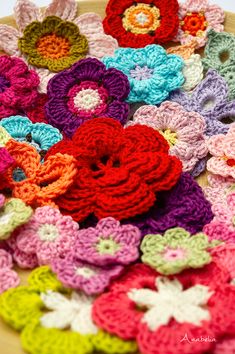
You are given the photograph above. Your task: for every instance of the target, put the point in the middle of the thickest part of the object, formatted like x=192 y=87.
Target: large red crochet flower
x=169 y=315
x=137 y=23
x=119 y=170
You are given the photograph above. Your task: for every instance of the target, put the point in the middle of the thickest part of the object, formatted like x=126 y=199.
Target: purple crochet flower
x=85 y=91
x=80 y=275
x=211 y=99
x=184 y=206
x=108 y=243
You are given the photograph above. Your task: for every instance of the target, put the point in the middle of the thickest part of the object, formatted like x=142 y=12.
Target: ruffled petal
x=67 y=10
x=25 y=13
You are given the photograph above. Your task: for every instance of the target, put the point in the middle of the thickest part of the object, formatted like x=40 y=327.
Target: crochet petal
x=67 y=10
x=215 y=16
x=25 y=13
x=101 y=45
x=9 y=39
x=89 y=23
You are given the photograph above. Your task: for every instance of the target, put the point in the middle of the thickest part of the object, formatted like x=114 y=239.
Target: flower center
x=87 y=99
x=231 y=162
x=18 y=174
x=107 y=246
x=141 y=18
x=170 y=136
x=141 y=73
x=171 y=254
x=4 y=83
x=86 y=272
x=194 y=23
x=52 y=46
x=48 y=232
x=5 y=218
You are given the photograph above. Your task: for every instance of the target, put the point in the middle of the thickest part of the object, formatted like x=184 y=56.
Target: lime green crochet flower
x=4 y=137
x=175 y=251
x=55 y=320
x=13 y=214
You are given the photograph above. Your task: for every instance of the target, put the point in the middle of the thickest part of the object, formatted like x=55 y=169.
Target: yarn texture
x=8 y=277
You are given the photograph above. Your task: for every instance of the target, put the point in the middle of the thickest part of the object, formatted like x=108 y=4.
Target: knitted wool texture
x=6 y=160
x=138 y=23
x=85 y=91
x=224 y=255
x=197 y=17
x=218 y=188
x=119 y=170
x=152 y=73
x=8 y=277
x=36 y=113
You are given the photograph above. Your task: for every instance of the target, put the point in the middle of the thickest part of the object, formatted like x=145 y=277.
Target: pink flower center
x=172 y=254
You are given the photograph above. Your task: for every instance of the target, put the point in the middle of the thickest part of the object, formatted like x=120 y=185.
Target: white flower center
x=141 y=18
x=5 y=218
x=85 y=272
x=48 y=232
x=87 y=99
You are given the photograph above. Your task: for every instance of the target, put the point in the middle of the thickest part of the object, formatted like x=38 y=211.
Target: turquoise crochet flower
x=152 y=73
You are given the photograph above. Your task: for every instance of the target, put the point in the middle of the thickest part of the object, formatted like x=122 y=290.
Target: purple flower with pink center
x=85 y=91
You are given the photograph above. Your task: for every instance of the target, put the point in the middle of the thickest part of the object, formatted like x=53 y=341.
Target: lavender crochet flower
x=85 y=91
x=108 y=243
x=184 y=206
x=211 y=99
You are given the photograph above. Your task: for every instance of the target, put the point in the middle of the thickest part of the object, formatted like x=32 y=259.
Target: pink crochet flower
x=197 y=17
x=222 y=149
x=8 y=278
x=218 y=188
x=5 y=160
x=108 y=243
x=183 y=130
x=225 y=255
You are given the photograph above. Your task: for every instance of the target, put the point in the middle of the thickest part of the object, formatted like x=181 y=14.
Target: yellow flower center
x=170 y=136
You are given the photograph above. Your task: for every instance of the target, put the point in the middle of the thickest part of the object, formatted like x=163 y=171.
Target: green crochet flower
x=175 y=251
x=55 y=320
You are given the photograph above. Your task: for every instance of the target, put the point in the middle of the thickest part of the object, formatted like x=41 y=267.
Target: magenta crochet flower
x=108 y=243
x=5 y=160
x=197 y=17
x=18 y=86
x=83 y=276
x=183 y=130
x=8 y=277
x=47 y=235
x=222 y=149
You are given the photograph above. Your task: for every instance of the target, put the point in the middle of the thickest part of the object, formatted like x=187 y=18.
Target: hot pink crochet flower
x=5 y=160
x=197 y=17
x=8 y=278
x=18 y=85
x=224 y=255
x=108 y=243
x=222 y=149
x=183 y=130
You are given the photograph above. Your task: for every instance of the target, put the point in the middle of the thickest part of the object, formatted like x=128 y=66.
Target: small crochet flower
x=158 y=310
x=183 y=130
x=141 y=22
x=6 y=160
x=152 y=73
x=18 y=86
x=108 y=243
x=85 y=91
x=8 y=277
x=52 y=319
x=119 y=170
x=175 y=251
x=13 y=213
x=183 y=206
x=209 y=99
x=197 y=17
x=218 y=188
x=52 y=39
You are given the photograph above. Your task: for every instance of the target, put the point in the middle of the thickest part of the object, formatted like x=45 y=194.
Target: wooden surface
x=9 y=339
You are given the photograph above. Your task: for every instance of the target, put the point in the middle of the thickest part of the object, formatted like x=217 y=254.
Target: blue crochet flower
x=152 y=73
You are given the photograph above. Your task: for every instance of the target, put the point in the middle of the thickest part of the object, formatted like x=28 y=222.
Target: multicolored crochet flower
x=184 y=131
x=40 y=135
x=158 y=310
x=141 y=22
x=197 y=17
x=108 y=243
x=53 y=39
x=18 y=85
x=85 y=91
x=13 y=213
x=175 y=251
x=119 y=170
x=152 y=73
x=8 y=277
x=210 y=99
x=183 y=206
x=6 y=160
x=52 y=319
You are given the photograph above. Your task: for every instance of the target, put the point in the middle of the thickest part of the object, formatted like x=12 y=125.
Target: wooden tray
x=10 y=339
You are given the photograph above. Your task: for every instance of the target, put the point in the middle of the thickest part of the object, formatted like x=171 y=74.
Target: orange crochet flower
x=35 y=183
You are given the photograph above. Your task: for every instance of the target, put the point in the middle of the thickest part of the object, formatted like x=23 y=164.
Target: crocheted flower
x=152 y=73
x=141 y=22
x=40 y=135
x=36 y=113
x=158 y=311
x=4 y=136
x=218 y=188
x=52 y=39
x=210 y=100
x=197 y=17
x=18 y=86
x=85 y=91
x=183 y=130
x=108 y=243
x=6 y=160
x=175 y=251
x=51 y=319
x=183 y=206
x=35 y=183
x=8 y=277
x=13 y=214
x=119 y=170
x=224 y=255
